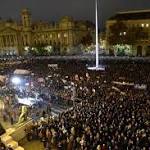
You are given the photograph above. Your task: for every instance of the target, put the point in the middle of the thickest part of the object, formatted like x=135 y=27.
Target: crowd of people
x=107 y=115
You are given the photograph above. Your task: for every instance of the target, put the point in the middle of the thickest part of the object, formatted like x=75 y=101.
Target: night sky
x=52 y=10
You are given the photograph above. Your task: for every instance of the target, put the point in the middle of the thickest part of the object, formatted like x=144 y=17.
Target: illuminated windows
x=147 y=25
x=142 y=25
x=51 y=35
x=124 y=33
x=65 y=35
x=58 y=35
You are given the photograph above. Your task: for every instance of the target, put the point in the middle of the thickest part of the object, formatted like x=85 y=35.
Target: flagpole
x=96 y=24
x=97 y=66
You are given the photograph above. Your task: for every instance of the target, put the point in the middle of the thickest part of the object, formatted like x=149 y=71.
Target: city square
x=69 y=84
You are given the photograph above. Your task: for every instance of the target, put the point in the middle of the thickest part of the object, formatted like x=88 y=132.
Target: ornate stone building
x=14 y=37
x=132 y=21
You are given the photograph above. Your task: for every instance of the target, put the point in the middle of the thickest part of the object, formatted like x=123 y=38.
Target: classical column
x=11 y=40
x=15 y=41
x=5 y=40
x=13 y=37
x=1 y=47
x=67 y=38
x=8 y=42
x=0 y=41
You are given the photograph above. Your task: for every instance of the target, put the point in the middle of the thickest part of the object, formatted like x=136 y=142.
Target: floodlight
x=16 y=80
x=27 y=84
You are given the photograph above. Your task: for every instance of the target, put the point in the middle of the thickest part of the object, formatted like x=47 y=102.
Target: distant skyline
x=53 y=10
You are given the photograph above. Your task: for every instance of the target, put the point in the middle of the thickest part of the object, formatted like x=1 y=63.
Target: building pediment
x=8 y=30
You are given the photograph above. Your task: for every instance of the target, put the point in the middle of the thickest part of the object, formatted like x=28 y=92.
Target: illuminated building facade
x=14 y=37
x=134 y=30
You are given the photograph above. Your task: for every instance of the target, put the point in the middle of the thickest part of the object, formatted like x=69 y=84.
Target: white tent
x=21 y=72
x=140 y=86
x=53 y=65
